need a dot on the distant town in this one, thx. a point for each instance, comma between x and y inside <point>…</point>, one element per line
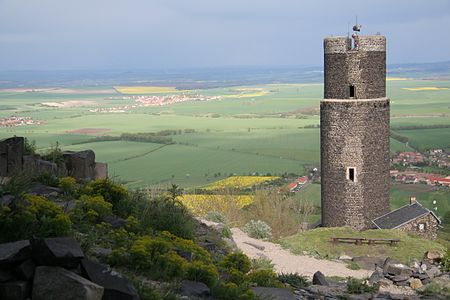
<point>14,121</point>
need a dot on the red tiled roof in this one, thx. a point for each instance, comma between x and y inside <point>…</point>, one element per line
<point>292,185</point>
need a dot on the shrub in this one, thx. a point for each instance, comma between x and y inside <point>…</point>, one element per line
<point>54,154</point>
<point>16,185</point>
<point>294,279</point>
<point>90,210</point>
<point>226,232</point>
<point>237,261</point>
<point>198,271</point>
<point>358,286</point>
<point>67,185</point>
<point>154,257</point>
<point>435,289</point>
<point>166,215</point>
<point>353,266</point>
<point>258,229</point>
<point>264,277</point>
<point>111,192</point>
<point>29,147</point>
<point>262,263</point>
<point>231,291</point>
<point>215,216</point>
<point>178,243</point>
<point>446,261</point>
<point>46,178</point>
<point>35,217</point>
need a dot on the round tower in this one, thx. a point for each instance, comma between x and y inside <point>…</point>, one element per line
<point>354,132</point>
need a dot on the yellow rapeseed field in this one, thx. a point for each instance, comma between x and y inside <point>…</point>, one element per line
<point>246,95</point>
<point>426,88</point>
<point>200,205</point>
<point>146,89</point>
<point>238,182</point>
<point>396,78</point>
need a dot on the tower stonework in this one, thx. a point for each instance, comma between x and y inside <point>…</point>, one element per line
<point>354,132</point>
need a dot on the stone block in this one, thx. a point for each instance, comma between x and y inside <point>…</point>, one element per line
<point>101,170</point>
<point>319,279</point>
<point>11,156</point>
<point>58,283</point>
<point>116,287</point>
<point>14,290</point>
<point>15,252</point>
<point>80,165</point>
<point>274,293</point>
<point>25,270</point>
<point>64,252</point>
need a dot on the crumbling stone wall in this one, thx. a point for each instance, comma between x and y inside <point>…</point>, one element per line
<point>354,132</point>
<point>11,156</point>
<point>430,227</point>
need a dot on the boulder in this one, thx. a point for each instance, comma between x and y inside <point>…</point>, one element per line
<point>368,262</point>
<point>34,164</point>
<point>40,189</point>
<point>194,289</point>
<point>433,272</point>
<point>116,287</point>
<point>5,275</point>
<point>6,200</point>
<point>80,165</point>
<point>64,252</point>
<point>398,269</point>
<point>385,282</point>
<point>400,280</point>
<point>101,252</point>
<point>319,279</point>
<point>345,257</point>
<point>15,251</point>
<point>101,170</point>
<point>433,256</point>
<point>11,156</point>
<point>114,221</point>
<point>376,277</point>
<point>14,290</point>
<point>273,293</point>
<point>58,283</point>
<point>25,270</point>
<point>415,283</point>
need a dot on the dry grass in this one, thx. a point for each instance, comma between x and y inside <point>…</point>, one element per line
<point>396,78</point>
<point>284,214</point>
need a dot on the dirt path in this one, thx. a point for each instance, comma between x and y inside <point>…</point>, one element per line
<point>286,262</point>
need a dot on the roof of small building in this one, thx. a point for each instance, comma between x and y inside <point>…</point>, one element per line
<point>402,216</point>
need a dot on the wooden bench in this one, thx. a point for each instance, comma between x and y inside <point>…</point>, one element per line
<point>356,241</point>
<point>392,242</point>
<point>360,241</point>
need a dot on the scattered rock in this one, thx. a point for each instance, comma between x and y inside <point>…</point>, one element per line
<point>345,257</point>
<point>368,262</point>
<point>274,293</point>
<point>25,270</point>
<point>65,252</point>
<point>399,269</point>
<point>194,289</point>
<point>101,252</point>
<point>44,190</point>
<point>319,279</point>
<point>185,254</point>
<point>385,282</point>
<point>58,283</point>
<point>433,255</point>
<point>259,247</point>
<point>376,277</point>
<point>116,287</point>
<point>433,272</point>
<point>114,221</point>
<point>5,275</point>
<point>14,290</point>
<point>15,251</point>
<point>6,200</point>
<point>415,283</point>
<point>80,165</point>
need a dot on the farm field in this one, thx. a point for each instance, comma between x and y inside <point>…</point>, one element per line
<point>252,129</point>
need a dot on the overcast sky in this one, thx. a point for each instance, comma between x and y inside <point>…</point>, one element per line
<point>159,34</point>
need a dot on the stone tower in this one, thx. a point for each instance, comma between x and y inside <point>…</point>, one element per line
<point>354,132</point>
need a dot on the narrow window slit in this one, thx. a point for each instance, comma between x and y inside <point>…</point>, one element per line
<point>352,91</point>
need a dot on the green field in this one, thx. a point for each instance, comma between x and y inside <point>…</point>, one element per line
<point>263,132</point>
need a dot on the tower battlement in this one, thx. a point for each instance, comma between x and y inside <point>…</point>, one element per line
<point>355,69</point>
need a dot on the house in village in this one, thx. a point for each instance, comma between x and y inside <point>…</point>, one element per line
<point>296,185</point>
<point>412,218</point>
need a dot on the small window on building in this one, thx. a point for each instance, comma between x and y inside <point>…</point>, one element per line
<point>351,174</point>
<point>422,226</point>
<point>352,91</point>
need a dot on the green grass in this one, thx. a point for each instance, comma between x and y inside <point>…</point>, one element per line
<point>271,140</point>
<point>317,242</point>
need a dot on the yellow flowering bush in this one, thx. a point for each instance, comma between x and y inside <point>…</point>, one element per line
<point>201,205</point>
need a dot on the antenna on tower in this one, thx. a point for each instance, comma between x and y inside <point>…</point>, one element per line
<point>356,27</point>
